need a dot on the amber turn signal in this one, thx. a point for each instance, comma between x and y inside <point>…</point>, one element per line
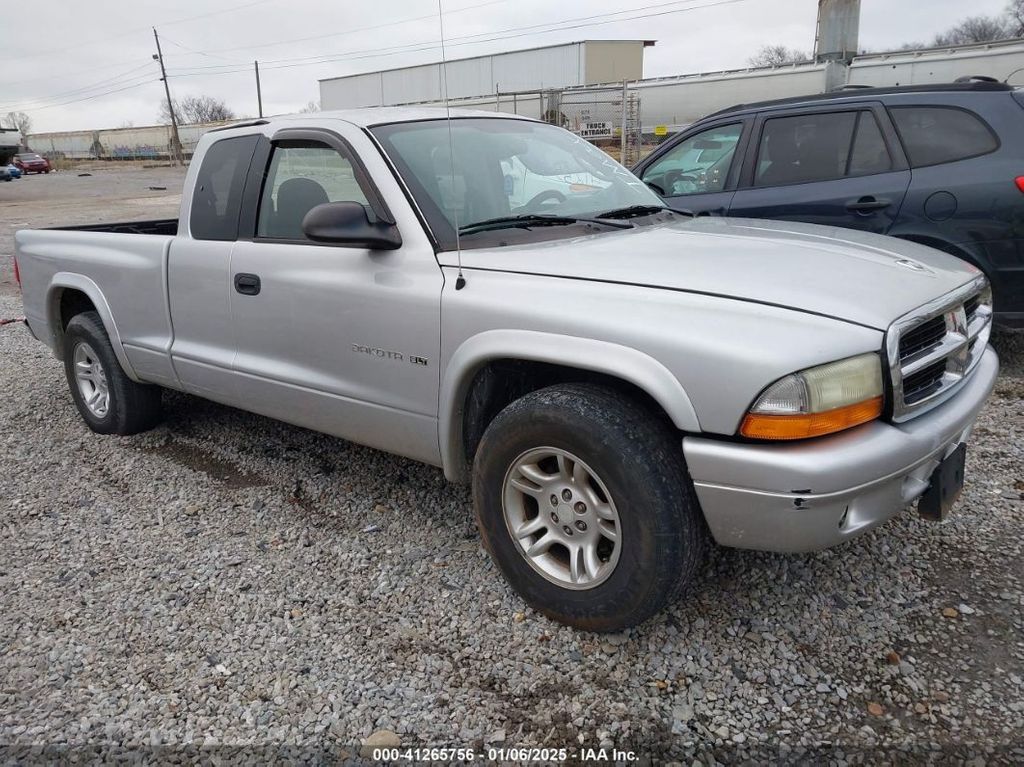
<point>804,425</point>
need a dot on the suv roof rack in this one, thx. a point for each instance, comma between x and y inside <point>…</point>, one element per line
<point>973,83</point>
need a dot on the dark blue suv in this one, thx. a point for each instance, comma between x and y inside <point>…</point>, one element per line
<point>941,165</point>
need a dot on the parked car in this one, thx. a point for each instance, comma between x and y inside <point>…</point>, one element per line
<point>6,174</point>
<point>617,380</point>
<point>14,171</point>
<point>942,165</point>
<point>30,162</point>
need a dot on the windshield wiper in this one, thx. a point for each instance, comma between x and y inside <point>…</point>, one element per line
<point>527,220</point>
<point>636,210</point>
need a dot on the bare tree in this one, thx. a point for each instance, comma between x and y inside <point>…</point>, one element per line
<point>196,109</point>
<point>1015,14</point>
<point>777,55</point>
<point>312,106</point>
<point>21,121</point>
<point>976,29</point>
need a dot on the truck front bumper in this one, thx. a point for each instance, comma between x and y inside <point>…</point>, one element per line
<point>818,493</point>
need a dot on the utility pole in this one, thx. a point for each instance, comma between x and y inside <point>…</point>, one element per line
<point>259,95</point>
<point>176,157</point>
<point>625,123</point>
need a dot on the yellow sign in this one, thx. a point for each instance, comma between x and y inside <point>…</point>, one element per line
<point>660,130</point>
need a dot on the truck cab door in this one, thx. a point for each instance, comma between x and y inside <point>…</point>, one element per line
<point>341,339</point>
<point>198,270</point>
<point>698,171</point>
<point>833,166</point>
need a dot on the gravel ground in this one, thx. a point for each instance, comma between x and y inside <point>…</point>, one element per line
<point>226,579</point>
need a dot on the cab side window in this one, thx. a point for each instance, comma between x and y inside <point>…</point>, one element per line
<point>217,194</point>
<point>696,165</point>
<point>302,175</point>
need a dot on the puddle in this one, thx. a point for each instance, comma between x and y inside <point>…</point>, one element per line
<point>197,459</point>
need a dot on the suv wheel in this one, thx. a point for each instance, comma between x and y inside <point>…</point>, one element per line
<point>583,499</point>
<point>107,399</point>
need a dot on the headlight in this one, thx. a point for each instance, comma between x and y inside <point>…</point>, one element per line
<point>819,400</point>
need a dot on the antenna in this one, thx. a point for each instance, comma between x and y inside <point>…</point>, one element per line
<point>460,281</point>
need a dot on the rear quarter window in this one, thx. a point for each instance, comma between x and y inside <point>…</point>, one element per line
<point>935,135</point>
<point>217,196</point>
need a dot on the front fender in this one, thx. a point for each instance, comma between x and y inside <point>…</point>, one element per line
<point>70,281</point>
<point>611,359</point>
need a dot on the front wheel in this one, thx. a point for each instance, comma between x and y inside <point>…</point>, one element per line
<point>583,499</point>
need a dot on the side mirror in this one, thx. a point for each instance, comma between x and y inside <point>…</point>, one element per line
<point>348,223</point>
<point>655,188</point>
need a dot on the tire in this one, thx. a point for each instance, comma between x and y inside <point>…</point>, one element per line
<point>130,407</point>
<point>613,449</point>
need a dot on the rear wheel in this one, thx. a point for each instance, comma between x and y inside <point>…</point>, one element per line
<point>107,399</point>
<point>583,499</point>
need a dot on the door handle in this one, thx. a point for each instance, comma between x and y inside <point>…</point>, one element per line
<point>867,204</point>
<point>247,284</point>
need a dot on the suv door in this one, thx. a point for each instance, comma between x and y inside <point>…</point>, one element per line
<point>696,172</point>
<point>342,339</point>
<point>833,166</point>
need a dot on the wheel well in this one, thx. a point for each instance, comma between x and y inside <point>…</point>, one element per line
<point>500,382</point>
<point>73,302</point>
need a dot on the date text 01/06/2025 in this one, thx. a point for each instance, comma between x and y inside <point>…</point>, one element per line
<point>503,754</point>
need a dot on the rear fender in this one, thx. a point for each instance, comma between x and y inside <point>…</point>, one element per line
<point>70,281</point>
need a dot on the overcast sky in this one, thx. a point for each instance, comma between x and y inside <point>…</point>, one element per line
<point>61,59</point>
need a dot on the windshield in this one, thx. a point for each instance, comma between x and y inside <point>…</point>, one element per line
<point>29,157</point>
<point>504,168</point>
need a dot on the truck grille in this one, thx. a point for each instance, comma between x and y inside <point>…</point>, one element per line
<point>934,348</point>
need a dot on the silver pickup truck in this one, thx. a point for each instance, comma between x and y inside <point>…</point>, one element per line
<point>495,296</point>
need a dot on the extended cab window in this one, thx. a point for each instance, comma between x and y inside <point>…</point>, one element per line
<point>934,135</point>
<point>217,198</point>
<point>697,164</point>
<point>820,147</point>
<point>302,175</point>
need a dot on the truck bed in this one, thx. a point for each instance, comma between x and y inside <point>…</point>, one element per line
<point>162,226</point>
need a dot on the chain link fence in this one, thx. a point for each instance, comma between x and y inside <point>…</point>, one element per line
<point>607,117</point>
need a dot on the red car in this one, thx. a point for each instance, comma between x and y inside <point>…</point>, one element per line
<point>30,162</point>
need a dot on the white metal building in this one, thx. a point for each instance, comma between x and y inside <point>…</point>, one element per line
<point>587,62</point>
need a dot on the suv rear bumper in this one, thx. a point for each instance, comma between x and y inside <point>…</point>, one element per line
<point>818,493</point>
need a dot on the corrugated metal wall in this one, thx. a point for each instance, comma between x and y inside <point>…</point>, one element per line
<point>559,66</point>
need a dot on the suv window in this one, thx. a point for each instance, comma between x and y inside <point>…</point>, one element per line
<point>217,198</point>
<point>697,164</point>
<point>869,153</point>
<point>933,135</point>
<point>820,147</point>
<point>302,175</point>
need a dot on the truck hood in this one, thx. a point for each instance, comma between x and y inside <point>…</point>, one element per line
<point>850,275</point>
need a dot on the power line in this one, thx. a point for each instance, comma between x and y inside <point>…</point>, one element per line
<point>114,79</point>
<point>105,41</point>
<point>434,45</point>
<point>480,37</point>
<point>200,53</point>
<point>96,96</point>
<point>472,39</point>
<point>395,23</point>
